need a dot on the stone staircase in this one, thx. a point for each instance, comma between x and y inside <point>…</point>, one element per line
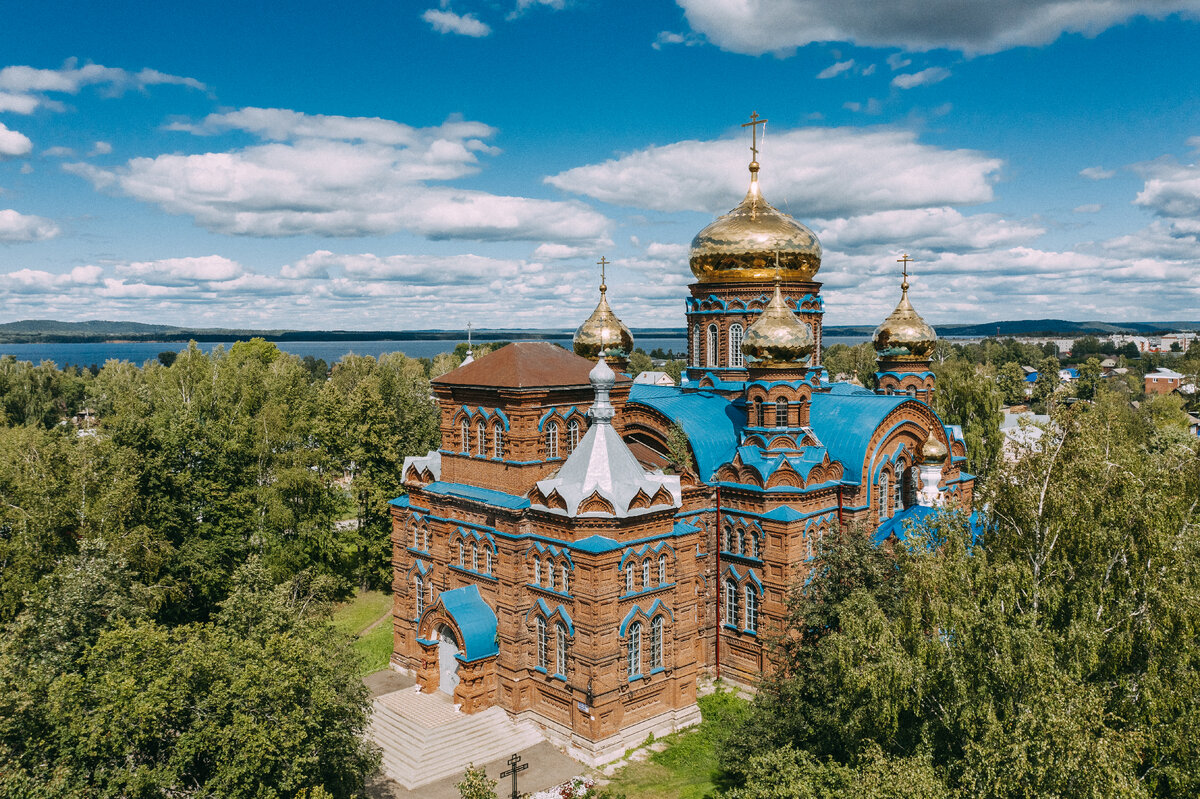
<point>424,738</point>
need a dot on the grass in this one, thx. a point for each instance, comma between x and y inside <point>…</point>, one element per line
<point>355,616</point>
<point>687,768</point>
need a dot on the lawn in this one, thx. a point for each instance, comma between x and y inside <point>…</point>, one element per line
<point>355,616</point>
<point>687,768</point>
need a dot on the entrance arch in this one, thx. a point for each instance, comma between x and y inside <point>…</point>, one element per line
<point>448,652</point>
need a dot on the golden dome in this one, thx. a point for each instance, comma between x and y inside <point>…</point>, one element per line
<point>603,330</point>
<point>777,338</point>
<point>934,450</point>
<point>904,333</point>
<point>743,244</point>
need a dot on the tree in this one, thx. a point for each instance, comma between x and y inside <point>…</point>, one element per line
<point>167,357</point>
<point>1088,382</point>
<point>1011,381</point>
<point>968,396</point>
<point>1047,380</point>
<point>679,448</point>
<point>639,362</point>
<point>476,785</point>
<point>855,363</point>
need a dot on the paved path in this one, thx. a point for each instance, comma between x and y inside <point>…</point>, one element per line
<point>547,767</point>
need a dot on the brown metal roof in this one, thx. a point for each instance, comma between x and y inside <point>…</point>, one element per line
<point>524,364</point>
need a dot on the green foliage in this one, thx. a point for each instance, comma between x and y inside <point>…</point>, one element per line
<point>967,395</point>
<point>1088,382</point>
<point>854,362</point>
<point>679,449</point>
<point>1010,379</point>
<point>476,785</point>
<point>674,369</point>
<point>1047,380</point>
<point>639,362</point>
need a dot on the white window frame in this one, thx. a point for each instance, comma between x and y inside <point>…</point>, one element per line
<point>560,648</point>
<point>550,574</point>
<point>537,572</point>
<point>735,345</point>
<point>465,434</point>
<point>480,439</point>
<point>420,592</point>
<point>662,569</point>
<point>498,442</point>
<point>629,579</point>
<point>696,335</point>
<point>751,608</point>
<point>714,346</point>
<point>564,581</point>
<point>474,557</point>
<point>635,649</point>
<point>487,560</point>
<point>542,660</point>
<point>551,441</point>
<point>572,435</point>
<point>656,643</point>
<point>646,573</point>
<point>731,603</point>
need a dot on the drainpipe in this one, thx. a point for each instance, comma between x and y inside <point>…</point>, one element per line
<point>718,586</point>
<point>840,522</point>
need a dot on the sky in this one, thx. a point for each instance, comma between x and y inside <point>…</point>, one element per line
<point>422,164</point>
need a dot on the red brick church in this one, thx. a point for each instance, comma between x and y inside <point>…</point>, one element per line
<point>556,558</point>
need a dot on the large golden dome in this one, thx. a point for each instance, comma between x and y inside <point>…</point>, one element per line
<point>904,333</point>
<point>603,331</point>
<point>743,244</point>
<point>777,338</point>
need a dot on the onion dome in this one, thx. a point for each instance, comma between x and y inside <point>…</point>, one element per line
<point>777,338</point>
<point>904,333</point>
<point>603,331</point>
<point>934,450</point>
<point>742,245</point>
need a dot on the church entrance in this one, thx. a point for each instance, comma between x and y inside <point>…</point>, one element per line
<point>447,662</point>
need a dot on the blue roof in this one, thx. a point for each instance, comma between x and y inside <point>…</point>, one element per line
<point>1031,377</point>
<point>713,424</point>
<point>845,423</point>
<point>843,389</point>
<point>766,464</point>
<point>400,502</point>
<point>484,495</point>
<point>475,620</point>
<point>896,524</point>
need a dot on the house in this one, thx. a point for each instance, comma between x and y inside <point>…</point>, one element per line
<point>1163,381</point>
<point>654,379</point>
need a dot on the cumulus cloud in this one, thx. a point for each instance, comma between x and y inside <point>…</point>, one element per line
<point>58,151</point>
<point>23,88</point>
<point>836,69</point>
<point>101,148</point>
<point>930,229</point>
<point>16,227</point>
<point>670,37</point>
<point>17,103</point>
<point>1089,208</point>
<point>925,77</point>
<point>13,143</point>
<point>755,27</point>
<point>448,22</point>
<point>1097,173</point>
<point>342,176</point>
<point>183,271</point>
<point>897,61</point>
<point>430,270</point>
<point>812,172</point>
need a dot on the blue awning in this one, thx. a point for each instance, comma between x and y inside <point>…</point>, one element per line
<point>475,620</point>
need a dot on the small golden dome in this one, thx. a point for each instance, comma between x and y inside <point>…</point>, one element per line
<point>934,450</point>
<point>603,331</point>
<point>777,338</point>
<point>904,334</point>
<point>743,244</point>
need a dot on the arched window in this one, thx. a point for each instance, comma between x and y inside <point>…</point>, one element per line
<point>551,441</point>
<point>497,441</point>
<point>656,631</point>
<point>541,642</point>
<point>416,540</point>
<point>565,590</point>
<point>711,353</point>
<point>646,573</point>
<point>728,539</point>
<point>560,648</point>
<point>635,649</point>
<point>753,545</point>
<point>550,574</point>
<point>461,562</point>
<point>731,603</point>
<point>896,503</point>
<point>883,497</point>
<point>572,435</point>
<point>537,572</point>
<point>781,412</point>
<point>662,568</point>
<point>735,345</point>
<point>425,529</point>
<point>751,608</point>
<point>629,579</point>
<point>912,392</point>
<point>480,439</point>
<point>474,557</point>
<point>464,437</point>
<point>910,486</point>
<point>487,560</point>
<point>760,416</point>
<point>741,550</point>
<point>419,585</point>
<point>696,345</point>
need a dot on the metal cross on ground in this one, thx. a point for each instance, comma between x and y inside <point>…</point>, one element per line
<point>513,761</point>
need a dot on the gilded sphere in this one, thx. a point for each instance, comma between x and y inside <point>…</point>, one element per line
<point>904,333</point>
<point>747,243</point>
<point>777,338</point>
<point>934,450</point>
<point>603,330</point>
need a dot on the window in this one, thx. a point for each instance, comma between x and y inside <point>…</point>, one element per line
<point>635,649</point>
<point>910,486</point>
<point>662,568</point>
<point>735,345</point>
<point>551,441</point>
<point>656,631</point>
<point>741,550</point>
<point>731,603</point>
<point>646,573</point>
<point>541,634</point>
<point>487,560</point>
<point>420,593</point>
<point>497,442</point>
<point>537,572</point>
<point>572,436</point>
<point>696,345</point>
<point>711,352</point>
<point>781,412</point>
<point>550,574</point>
<point>883,497</point>
<point>425,529</point>
<point>474,557</point>
<point>416,540</point>
<point>753,545</point>
<point>560,648</point>
<point>629,579</point>
<point>480,439</point>
<point>461,562</point>
<point>912,392</point>
<point>751,608</point>
<point>464,442</point>
<point>728,539</point>
<point>565,590</point>
<point>760,417</point>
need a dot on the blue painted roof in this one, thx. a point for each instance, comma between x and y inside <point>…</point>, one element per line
<point>475,620</point>
<point>484,495</point>
<point>896,524</point>
<point>766,464</point>
<point>844,424</point>
<point>713,424</point>
<point>400,502</point>
<point>843,389</point>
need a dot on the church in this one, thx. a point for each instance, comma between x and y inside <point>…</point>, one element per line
<point>582,549</point>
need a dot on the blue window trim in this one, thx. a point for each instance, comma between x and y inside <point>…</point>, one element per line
<point>659,670</point>
<point>541,670</point>
<point>644,591</point>
<point>424,642</point>
<point>633,677</point>
<point>481,575</point>
<point>732,627</point>
<point>415,551</point>
<point>552,592</point>
<point>557,676</point>
<point>751,632</point>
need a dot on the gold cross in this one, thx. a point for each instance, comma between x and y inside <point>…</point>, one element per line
<point>905,260</point>
<point>753,125</point>
<point>603,262</point>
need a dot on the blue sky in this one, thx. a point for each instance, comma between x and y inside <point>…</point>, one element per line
<point>424,164</point>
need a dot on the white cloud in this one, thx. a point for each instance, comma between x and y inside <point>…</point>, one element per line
<point>183,271</point>
<point>811,172</point>
<point>342,176</point>
<point>1097,173</point>
<point>552,251</point>
<point>868,70</point>
<point>429,270</point>
<point>101,148</point>
<point>755,27</point>
<point>58,151</point>
<point>925,77</point>
<point>835,69</point>
<point>1089,208</point>
<point>15,227</point>
<point>670,37</point>
<point>18,103</point>
<point>897,61</point>
<point>13,143</point>
<point>931,229</point>
<point>872,106</point>
<point>449,22</point>
<point>23,88</point>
